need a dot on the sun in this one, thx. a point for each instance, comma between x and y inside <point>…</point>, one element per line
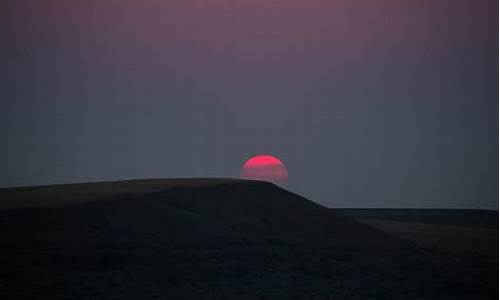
<point>265,168</point>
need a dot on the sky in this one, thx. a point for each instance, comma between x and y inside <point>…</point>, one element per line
<point>383,103</point>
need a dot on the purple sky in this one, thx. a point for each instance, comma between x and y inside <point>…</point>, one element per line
<point>384,103</point>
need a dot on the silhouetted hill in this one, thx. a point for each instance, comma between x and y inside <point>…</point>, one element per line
<point>214,239</point>
<point>49,195</point>
<point>173,213</point>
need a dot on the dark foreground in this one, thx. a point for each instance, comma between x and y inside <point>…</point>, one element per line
<point>228,239</point>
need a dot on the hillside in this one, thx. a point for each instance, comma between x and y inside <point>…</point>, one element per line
<point>50,195</point>
<point>206,239</point>
<point>173,213</point>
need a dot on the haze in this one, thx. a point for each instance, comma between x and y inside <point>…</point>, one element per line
<point>368,103</point>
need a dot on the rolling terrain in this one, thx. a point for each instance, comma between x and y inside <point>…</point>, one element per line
<point>453,217</point>
<point>454,230</point>
<point>213,239</point>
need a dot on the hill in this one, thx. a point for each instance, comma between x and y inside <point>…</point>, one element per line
<point>206,239</point>
<point>174,213</point>
<point>50,195</point>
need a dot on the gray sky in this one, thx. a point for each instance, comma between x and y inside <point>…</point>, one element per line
<point>368,103</point>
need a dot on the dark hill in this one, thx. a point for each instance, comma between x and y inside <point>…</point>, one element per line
<point>50,195</point>
<point>212,239</point>
<point>173,213</point>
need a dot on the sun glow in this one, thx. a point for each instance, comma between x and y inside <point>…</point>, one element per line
<point>266,168</point>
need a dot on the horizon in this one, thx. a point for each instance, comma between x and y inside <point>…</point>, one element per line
<point>236,179</point>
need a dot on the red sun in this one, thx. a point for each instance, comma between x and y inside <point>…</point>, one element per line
<point>266,168</point>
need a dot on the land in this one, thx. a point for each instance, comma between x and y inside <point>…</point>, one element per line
<point>233,239</point>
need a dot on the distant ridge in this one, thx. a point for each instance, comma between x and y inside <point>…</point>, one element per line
<point>457,217</point>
